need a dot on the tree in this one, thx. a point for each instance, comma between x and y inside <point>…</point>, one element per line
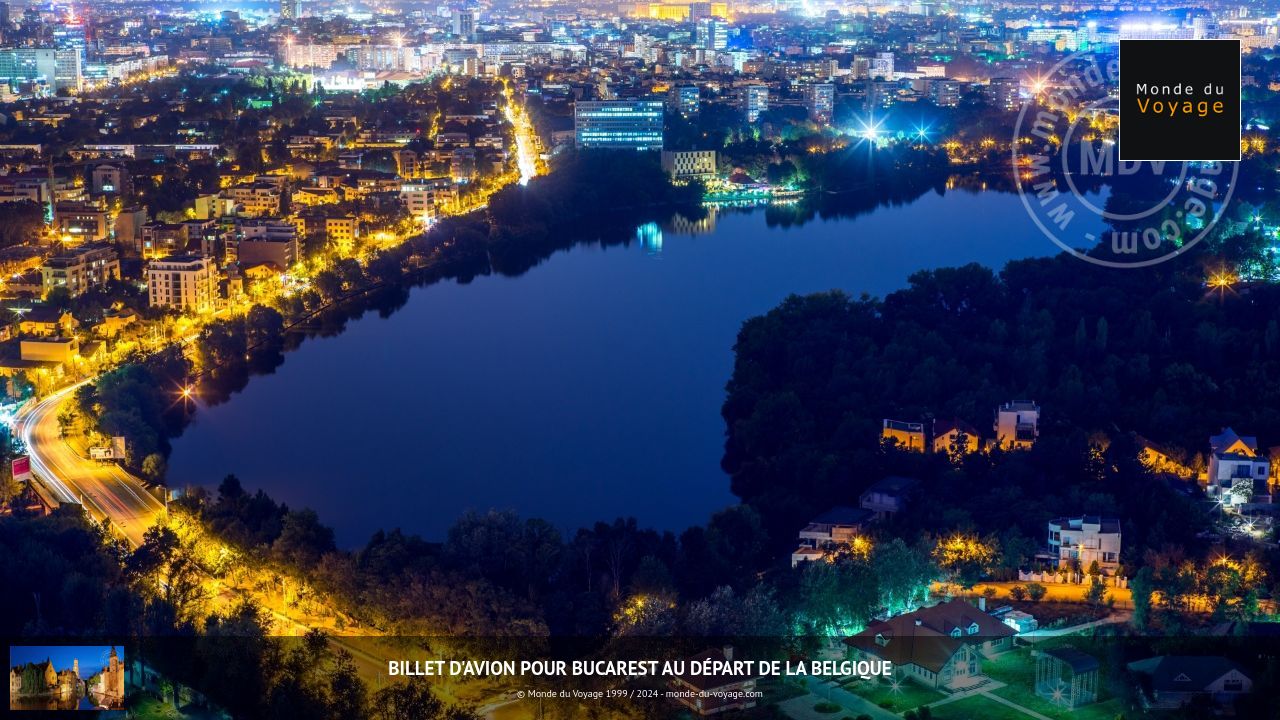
<point>303,540</point>
<point>348,695</point>
<point>1018,592</point>
<point>20,222</point>
<point>413,700</point>
<point>903,575</point>
<point>9,488</point>
<point>1036,591</point>
<point>966,557</point>
<point>1097,593</point>
<point>154,467</point>
<point>1141,587</point>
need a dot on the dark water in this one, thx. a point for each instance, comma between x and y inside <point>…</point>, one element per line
<point>586,389</point>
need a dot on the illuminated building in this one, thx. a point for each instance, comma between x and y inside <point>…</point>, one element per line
<point>1079,542</point>
<point>342,231</point>
<point>907,435</point>
<point>69,69</point>
<point>690,164</point>
<point>755,100</point>
<point>80,221</point>
<point>820,101</point>
<point>182,282</point>
<point>1003,92</point>
<point>679,12</point>
<point>290,9</point>
<point>684,100</point>
<point>463,23</point>
<point>713,34</point>
<point>882,65</point>
<point>264,241</point>
<point>79,270</point>
<point>110,180</point>
<point>1017,425</point>
<point>34,67</point>
<point>618,124</point>
<point>944,92</point>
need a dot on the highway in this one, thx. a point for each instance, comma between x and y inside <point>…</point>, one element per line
<point>121,502</point>
<point>112,496</point>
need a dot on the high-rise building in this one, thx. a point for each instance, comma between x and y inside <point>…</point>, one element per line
<point>1003,92</point>
<point>110,180</point>
<point>882,65</point>
<point>290,9</point>
<point>618,124</point>
<point>183,282</point>
<point>86,267</point>
<point>944,92</point>
<point>712,34</point>
<point>37,67</point>
<point>69,69</point>
<point>755,100</point>
<point>820,101</point>
<point>684,99</point>
<point>699,10</point>
<point>464,24</point>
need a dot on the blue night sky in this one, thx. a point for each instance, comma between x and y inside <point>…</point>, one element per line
<point>92,657</point>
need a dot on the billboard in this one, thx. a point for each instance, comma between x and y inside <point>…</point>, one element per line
<point>21,467</point>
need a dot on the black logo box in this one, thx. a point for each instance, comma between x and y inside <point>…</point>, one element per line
<point>1182,137</point>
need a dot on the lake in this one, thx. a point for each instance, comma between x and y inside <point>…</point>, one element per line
<point>586,389</point>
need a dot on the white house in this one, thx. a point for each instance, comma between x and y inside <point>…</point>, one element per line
<point>1236,469</point>
<point>1017,425</point>
<point>1087,539</point>
<point>839,526</point>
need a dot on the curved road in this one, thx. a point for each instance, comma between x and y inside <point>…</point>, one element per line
<point>110,495</point>
<point>123,504</point>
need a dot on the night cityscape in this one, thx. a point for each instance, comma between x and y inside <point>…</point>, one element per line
<point>524,359</point>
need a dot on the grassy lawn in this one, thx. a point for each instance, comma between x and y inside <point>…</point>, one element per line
<point>977,708</point>
<point>908,696</point>
<point>1017,670</point>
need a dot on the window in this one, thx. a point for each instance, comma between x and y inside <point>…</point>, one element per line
<point>955,632</point>
<point>973,629</point>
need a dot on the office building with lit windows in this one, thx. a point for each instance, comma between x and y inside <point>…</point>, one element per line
<point>618,124</point>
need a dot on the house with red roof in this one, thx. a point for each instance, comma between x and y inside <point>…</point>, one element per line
<point>941,647</point>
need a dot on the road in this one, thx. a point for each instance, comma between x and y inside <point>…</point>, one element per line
<point>122,503</point>
<point>112,496</point>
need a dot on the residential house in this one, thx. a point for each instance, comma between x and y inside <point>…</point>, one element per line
<point>1017,425</point>
<point>1237,471</point>
<point>940,647</point>
<point>907,435</point>
<point>47,321</point>
<point>956,436</point>
<point>713,693</point>
<point>114,322</point>
<point>1171,681</point>
<point>1085,540</point>
<point>841,526</point>
<point>888,495</point>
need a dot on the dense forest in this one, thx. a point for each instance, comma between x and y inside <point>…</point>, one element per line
<point>1106,354</point>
